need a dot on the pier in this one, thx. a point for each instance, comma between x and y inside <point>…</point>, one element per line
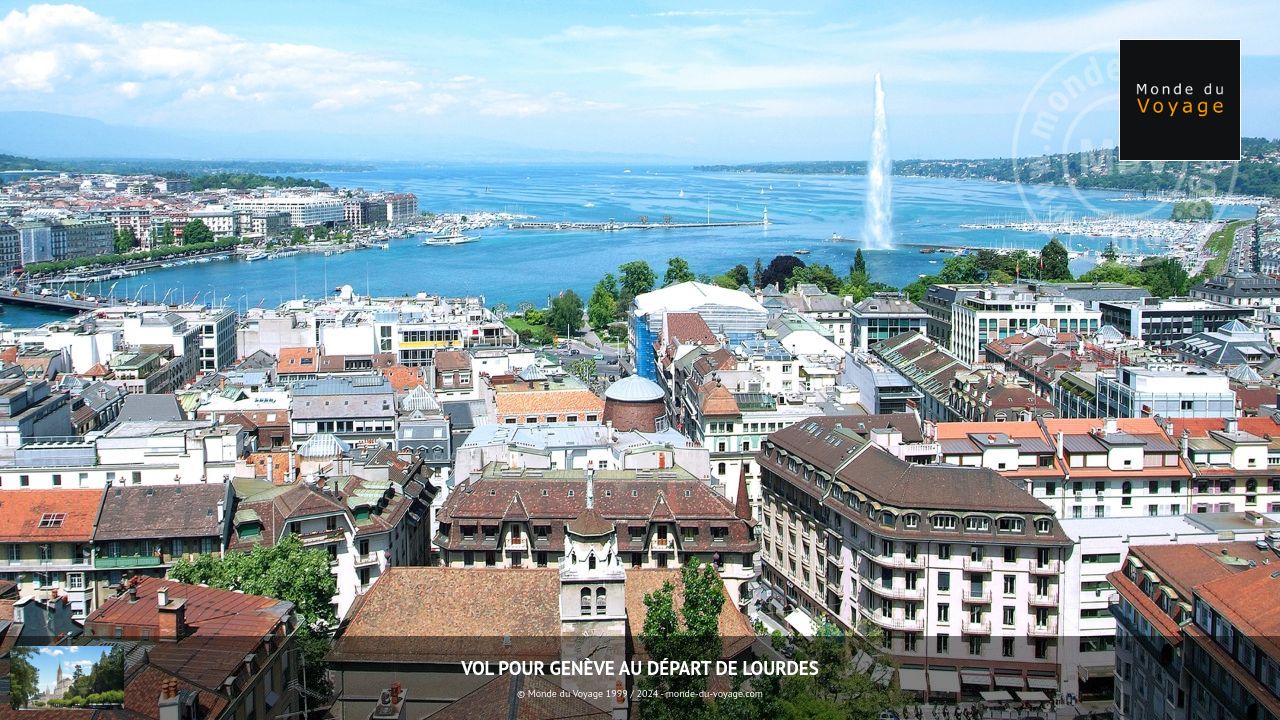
<point>612,226</point>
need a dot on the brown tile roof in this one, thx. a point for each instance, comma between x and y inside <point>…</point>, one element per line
<point>717,400</point>
<point>279,467</point>
<point>298,360</point>
<point>22,512</point>
<point>1248,600</point>
<point>448,614</point>
<point>1200,427</point>
<point>1183,566</point>
<point>98,371</point>
<point>589,523</point>
<point>160,512</point>
<point>209,611</point>
<point>452,360</point>
<point>687,328</point>
<point>520,697</point>
<point>402,378</point>
<point>736,633</point>
<point>142,693</point>
<point>549,402</point>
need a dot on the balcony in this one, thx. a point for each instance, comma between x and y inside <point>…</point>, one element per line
<point>893,561</point>
<point>663,544</point>
<point>368,559</point>
<point>895,593</point>
<point>1043,600</point>
<point>517,543</point>
<point>977,596</point>
<point>972,565</point>
<point>897,623</point>
<point>982,627</point>
<point>1052,567</point>
<point>128,561</point>
<point>50,564</point>
<point>324,537</point>
<point>1048,628</point>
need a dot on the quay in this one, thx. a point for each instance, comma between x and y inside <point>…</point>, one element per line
<point>52,302</point>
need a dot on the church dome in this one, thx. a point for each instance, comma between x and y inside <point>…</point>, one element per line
<point>634,389</point>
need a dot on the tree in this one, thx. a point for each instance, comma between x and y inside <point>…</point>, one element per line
<point>23,680</point>
<point>565,313</point>
<point>859,262</point>
<point>839,689</point>
<point>321,232</point>
<point>501,310</point>
<point>584,368</point>
<point>297,236</point>
<point>697,639</point>
<point>677,272</point>
<point>1165,277</point>
<point>757,274</point>
<point>195,232</point>
<point>602,308</point>
<point>1113,272</point>
<point>1054,261</point>
<point>779,271</point>
<point>166,235</point>
<point>637,278</point>
<point>739,275</point>
<point>286,571</point>
<point>124,242</point>
<point>1110,254</point>
<point>821,275</point>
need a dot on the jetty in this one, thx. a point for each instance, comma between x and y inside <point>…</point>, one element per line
<point>614,226</point>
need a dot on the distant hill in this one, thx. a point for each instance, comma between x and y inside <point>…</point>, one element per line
<point>15,162</point>
<point>1259,170</point>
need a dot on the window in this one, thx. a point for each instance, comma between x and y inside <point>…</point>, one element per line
<point>51,520</point>
<point>1011,525</point>
<point>944,581</point>
<point>601,602</point>
<point>944,613</point>
<point>944,551</point>
<point>57,480</point>
<point>941,644</point>
<point>1006,646</point>
<point>490,558</point>
<point>1008,617</point>
<point>1010,554</point>
<point>24,481</point>
<point>1043,526</point>
<point>585,602</point>
<point>1010,584</point>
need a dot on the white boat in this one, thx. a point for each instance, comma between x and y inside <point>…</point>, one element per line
<point>452,238</point>
<point>836,237</point>
<point>802,252</point>
<point>255,255</point>
<point>589,205</point>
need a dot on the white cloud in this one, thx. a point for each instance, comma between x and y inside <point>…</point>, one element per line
<point>197,71</point>
<point>1253,21</point>
<point>72,664</point>
<point>52,652</point>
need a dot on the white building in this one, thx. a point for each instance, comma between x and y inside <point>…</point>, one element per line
<point>1164,390</point>
<point>997,312</point>
<point>304,210</point>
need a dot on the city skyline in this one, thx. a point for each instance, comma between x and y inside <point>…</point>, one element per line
<point>711,82</point>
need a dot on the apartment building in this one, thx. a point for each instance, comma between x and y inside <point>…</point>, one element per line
<point>882,316</point>
<point>366,523</point>
<point>958,568</point>
<point>209,653</point>
<point>352,408</point>
<point>813,303</point>
<point>1235,463</point>
<point>930,368</point>
<point>10,248</point>
<point>1195,629</point>
<point>401,207</point>
<point>517,517</point>
<point>48,543</point>
<point>1255,291</point>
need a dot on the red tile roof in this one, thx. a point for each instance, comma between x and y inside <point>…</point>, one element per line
<point>684,328</point>
<point>60,515</point>
<point>1200,427</point>
<point>402,378</point>
<point>452,360</point>
<point>298,360</point>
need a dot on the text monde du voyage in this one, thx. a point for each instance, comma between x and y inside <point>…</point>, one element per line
<point>1181,99</point>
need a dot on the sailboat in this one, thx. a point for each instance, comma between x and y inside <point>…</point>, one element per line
<point>681,192</point>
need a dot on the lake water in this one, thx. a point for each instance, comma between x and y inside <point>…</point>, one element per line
<point>515,265</point>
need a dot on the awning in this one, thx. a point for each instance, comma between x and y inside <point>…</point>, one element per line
<point>1009,681</point>
<point>944,681</point>
<point>976,677</point>
<point>1033,696</point>
<point>1044,683</point>
<point>1096,671</point>
<point>911,679</point>
<point>996,696</point>
<point>801,623</point>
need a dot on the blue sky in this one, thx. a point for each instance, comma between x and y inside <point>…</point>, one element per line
<point>47,659</point>
<point>695,80</point>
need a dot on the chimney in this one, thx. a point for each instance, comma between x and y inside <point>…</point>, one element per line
<point>133,594</point>
<point>1185,443</point>
<point>173,620</point>
<point>391,704</point>
<point>222,510</point>
<point>591,486</point>
<point>1110,426</point>
<point>162,596</point>
<point>1059,445</point>
<point>1232,424</point>
<point>170,704</point>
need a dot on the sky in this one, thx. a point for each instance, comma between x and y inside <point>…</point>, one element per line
<point>46,660</point>
<point>730,81</point>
